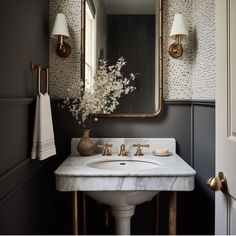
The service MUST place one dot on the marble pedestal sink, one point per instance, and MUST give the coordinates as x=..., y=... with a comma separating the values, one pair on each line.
x=124, y=182
x=122, y=202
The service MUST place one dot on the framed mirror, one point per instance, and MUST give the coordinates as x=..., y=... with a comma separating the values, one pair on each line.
x=133, y=30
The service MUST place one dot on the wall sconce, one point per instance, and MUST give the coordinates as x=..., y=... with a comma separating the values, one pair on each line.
x=178, y=33
x=60, y=31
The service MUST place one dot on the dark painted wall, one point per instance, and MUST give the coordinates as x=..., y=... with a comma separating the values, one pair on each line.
x=204, y=164
x=29, y=203
x=26, y=187
x=133, y=37
x=192, y=125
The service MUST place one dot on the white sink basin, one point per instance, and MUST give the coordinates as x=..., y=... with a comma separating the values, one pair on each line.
x=128, y=165
x=122, y=198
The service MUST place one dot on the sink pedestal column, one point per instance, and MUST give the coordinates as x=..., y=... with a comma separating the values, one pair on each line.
x=123, y=216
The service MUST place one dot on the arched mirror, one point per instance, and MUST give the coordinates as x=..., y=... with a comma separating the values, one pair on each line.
x=133, y=30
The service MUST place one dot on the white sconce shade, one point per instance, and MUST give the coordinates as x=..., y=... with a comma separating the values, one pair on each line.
x=60, y=31
x=178, y=28
x=60, y=27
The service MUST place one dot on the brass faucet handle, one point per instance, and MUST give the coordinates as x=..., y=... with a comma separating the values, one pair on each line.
x=139, y=150
x=122, y=151
x=106, y=151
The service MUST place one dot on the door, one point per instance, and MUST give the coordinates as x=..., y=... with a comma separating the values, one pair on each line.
x=225, y=219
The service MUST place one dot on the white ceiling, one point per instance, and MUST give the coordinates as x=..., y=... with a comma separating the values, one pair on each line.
x=122, y=7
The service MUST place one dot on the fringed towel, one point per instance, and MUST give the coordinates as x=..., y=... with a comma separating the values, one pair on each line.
x=43, y=139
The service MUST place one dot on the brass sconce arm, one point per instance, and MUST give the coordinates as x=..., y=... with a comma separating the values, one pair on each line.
x=63, y=49
x=176, y=49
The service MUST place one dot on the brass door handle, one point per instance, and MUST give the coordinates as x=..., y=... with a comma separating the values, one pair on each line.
x=218, y=183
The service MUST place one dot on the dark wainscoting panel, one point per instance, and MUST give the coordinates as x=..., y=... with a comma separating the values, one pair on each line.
x=28, y=208
x=191, y=123
x=26, y=186
x=204, y=164
x=15, y=121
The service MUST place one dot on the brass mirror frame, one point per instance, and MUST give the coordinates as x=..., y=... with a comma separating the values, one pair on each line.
x=160, y=80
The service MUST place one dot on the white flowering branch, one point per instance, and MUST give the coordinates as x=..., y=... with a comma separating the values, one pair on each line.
x=108, y=87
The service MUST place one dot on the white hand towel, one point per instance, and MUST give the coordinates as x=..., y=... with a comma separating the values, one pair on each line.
x=43, y=139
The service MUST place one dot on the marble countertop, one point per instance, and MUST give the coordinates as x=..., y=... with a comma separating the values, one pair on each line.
x=172, y=165
x=171, y=174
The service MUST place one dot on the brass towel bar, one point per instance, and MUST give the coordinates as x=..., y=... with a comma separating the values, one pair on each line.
x=39, y=69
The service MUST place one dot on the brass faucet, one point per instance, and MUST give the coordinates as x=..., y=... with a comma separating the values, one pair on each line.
x=106, y=151
x=139, y=151
x=122, y=151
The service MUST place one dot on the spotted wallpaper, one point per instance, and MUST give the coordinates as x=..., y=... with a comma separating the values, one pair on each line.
x=65, y=71
x=203, y=67
x=190, y=77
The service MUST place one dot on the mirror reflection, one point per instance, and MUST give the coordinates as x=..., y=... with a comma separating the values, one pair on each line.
x=128, y=29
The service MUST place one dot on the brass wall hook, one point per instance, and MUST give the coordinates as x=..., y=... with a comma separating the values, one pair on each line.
x=47, y=79
x=39, y=69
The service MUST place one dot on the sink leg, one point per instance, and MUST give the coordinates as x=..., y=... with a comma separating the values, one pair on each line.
x=122, y=219
x=75, y=213
x=172, y=212
x=84, y=215
x=157, y=229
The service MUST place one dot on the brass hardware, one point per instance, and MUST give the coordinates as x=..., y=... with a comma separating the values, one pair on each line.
x=106, y=151
x=160, y=66
x=172, y=213
x=122, y=151
x=47, y=79
x=63, y=49
x=139, y=151
x=157, y=220
x=218, y=183
x=75, y=213
x=106, y=215
x=176, y=50
x=39, y=69
x=84, y=215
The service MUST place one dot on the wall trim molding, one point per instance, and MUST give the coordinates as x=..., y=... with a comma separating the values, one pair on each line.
x=190, y=102
x=15, y=183
x=16, y=101
x=14, y=168
x=205, y=102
